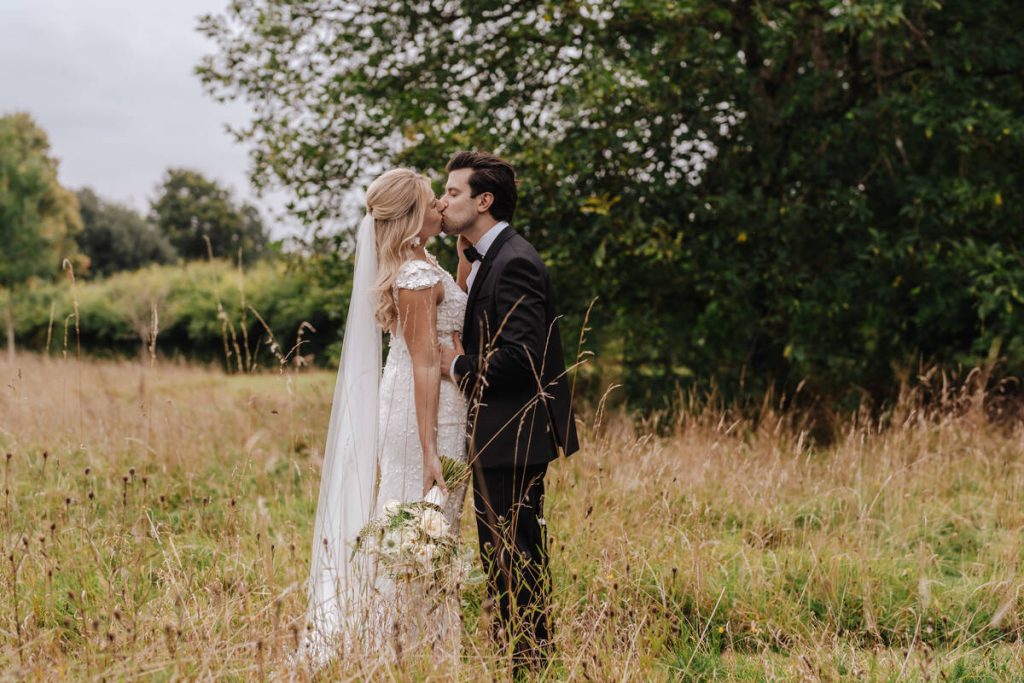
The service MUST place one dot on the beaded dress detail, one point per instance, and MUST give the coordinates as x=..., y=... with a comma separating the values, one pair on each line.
x=407, y=617
x=401, y=458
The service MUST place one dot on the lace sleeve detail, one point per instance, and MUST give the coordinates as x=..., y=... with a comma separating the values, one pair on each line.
x=417, y=274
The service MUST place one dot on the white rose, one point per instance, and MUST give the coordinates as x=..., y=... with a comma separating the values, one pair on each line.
x=391, y=507
x=436, y=496
x=433, y=523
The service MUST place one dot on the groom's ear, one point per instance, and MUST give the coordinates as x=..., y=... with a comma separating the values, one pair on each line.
x=484, y=202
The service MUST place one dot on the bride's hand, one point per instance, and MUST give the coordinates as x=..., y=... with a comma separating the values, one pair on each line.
x=432, y=473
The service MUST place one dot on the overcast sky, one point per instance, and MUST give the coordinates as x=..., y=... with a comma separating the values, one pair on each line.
x=111, y=83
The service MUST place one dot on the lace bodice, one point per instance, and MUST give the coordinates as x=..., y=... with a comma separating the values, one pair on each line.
x=419, y=274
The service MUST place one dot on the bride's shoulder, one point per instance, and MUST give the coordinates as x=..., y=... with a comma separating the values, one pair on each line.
x=417, y=274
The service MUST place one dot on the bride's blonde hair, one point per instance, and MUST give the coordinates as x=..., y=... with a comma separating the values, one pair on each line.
x=398, y=201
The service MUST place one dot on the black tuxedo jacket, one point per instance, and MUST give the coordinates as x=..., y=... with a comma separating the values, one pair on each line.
x=513, y=371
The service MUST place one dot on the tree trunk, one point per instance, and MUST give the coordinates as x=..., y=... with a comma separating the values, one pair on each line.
x=10, y=327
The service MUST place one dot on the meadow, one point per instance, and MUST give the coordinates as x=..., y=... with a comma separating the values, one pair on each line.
x=156, y=522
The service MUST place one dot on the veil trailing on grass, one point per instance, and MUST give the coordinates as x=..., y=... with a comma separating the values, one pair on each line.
x=349, y=475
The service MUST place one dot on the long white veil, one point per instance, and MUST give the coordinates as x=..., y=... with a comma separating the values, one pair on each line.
x=349, y=476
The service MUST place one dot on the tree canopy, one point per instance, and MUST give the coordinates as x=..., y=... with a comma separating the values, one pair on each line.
x=769, y=193
x=189, y=207
x=38, y=217
x=116, y=237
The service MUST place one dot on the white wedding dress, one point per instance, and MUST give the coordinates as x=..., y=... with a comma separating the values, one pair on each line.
x=401, y=458
x=407, y=617
x=353, y=606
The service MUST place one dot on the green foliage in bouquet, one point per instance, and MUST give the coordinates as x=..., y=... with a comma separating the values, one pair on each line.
x=454, y=472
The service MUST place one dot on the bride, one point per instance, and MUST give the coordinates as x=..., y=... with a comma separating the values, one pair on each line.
x=388, y=429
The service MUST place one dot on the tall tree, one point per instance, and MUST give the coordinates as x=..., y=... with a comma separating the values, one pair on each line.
x=189, y=207
x=116, y=237
x=813, y=193
x=38, y=217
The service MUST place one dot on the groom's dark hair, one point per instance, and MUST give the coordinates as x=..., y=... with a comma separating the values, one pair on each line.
x=491, y=174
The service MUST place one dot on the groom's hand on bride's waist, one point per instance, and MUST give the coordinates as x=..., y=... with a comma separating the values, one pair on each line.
x=449, y=355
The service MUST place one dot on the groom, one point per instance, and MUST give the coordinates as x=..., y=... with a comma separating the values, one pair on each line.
x=509, y=364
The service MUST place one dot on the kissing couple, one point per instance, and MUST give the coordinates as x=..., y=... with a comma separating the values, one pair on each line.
x=474, y=376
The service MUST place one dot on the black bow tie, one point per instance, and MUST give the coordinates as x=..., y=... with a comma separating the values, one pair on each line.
x=472, y=255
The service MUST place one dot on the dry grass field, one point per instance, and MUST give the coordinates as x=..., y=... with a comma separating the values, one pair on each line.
x=155, y=524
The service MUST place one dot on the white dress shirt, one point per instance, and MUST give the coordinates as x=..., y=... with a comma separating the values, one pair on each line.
x=482, y=245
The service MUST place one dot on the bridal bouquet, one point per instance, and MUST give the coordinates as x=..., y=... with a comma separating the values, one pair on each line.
x=413, y=539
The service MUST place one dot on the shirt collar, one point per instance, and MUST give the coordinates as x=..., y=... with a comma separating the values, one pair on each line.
x=485, y=242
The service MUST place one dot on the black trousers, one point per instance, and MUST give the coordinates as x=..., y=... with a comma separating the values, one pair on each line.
x=509, y=506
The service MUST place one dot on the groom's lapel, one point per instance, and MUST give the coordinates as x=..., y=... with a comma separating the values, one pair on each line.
x=485, y=267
